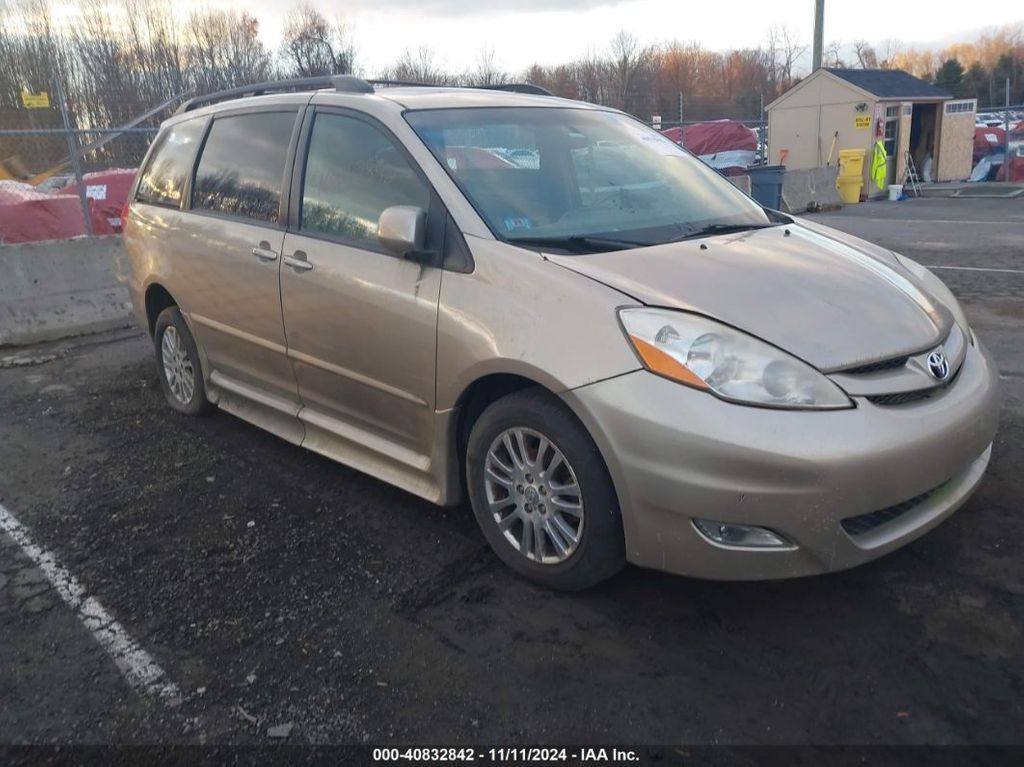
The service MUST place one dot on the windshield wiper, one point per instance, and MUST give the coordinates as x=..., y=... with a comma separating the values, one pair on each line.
x=579, y=243
x=710, y=229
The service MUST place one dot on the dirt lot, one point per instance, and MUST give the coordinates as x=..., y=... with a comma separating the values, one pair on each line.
x=275, y=587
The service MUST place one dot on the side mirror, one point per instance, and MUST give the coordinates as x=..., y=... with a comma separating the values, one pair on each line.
x=402, y=229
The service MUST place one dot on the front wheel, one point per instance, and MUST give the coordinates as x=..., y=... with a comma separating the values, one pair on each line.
x=181, y=376
x=542, y=494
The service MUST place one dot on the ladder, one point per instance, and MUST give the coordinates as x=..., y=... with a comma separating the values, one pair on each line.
x=910, y=177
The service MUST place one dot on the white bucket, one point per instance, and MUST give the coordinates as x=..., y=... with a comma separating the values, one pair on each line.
x=895, y=192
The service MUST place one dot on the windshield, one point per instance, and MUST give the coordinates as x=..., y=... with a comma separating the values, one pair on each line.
x=580, y=180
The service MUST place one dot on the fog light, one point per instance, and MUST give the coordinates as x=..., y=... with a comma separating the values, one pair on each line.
x=729, y=534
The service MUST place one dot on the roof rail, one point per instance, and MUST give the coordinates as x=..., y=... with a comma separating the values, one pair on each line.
x=407, y=84
x=511, y=87
x=536, y=90
x=341, y=83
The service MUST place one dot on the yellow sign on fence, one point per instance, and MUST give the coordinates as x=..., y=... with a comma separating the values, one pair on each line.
x=35, y=100
x=862, y=121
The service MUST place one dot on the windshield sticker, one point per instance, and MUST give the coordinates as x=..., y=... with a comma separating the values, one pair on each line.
x=513, y=223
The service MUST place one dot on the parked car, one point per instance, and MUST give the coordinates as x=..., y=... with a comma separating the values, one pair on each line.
x=646, y=367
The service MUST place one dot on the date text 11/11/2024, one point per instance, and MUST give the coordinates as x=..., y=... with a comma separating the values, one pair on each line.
x=505, y=755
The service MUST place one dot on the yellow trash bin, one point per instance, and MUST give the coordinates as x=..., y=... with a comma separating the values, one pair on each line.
x=851, y=163
x=849, y=189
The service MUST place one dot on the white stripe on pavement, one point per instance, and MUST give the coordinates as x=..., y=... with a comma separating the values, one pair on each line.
x=979, y=269
x=138, y=667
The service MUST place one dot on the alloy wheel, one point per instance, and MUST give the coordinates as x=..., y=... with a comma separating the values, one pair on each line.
x=178, y=369
x=534, y=495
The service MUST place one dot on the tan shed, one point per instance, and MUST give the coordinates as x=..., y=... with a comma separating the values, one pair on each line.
x=835, y=109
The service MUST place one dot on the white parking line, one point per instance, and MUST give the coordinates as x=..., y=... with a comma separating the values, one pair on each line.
x=138, y=667
x=979, y=269
x=927, y=220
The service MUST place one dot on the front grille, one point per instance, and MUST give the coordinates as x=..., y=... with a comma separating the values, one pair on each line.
x=875, y=367
x=865, y=523
x=906, y=397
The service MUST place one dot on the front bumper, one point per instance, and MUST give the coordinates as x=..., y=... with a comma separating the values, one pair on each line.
x=676, y=454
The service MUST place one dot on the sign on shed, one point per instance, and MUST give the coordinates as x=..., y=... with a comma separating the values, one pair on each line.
x=35, y=100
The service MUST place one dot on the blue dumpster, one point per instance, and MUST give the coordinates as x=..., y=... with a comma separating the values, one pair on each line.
x=766, y=184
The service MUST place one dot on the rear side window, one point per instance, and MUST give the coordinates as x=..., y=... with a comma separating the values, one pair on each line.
x=170, y=165
x=353, y=172
x=242, y=165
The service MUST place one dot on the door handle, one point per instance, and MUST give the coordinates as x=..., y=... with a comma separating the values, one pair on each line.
x=264, y=252
x=298, y=261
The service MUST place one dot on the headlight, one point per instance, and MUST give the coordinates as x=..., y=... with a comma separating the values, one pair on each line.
x=707, y=355
x=938, y=289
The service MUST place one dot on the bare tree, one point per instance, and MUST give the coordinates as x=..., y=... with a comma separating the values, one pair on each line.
x=783, y=51
x=419, y=66
x=832, y=55
x=625, y=51
x=890, y=49
x=225, y=49
x=315, y=46
x=866, y=56
x=487, y=72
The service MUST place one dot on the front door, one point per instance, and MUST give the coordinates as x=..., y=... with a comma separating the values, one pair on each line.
x=231, y=257
x=361, y=323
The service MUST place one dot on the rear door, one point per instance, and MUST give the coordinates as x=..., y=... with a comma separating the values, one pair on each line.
x=230, y=257
x=361, y=322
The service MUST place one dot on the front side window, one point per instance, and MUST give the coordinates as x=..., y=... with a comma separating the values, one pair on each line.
x=241, y=169
x=551, y=173
x=163, y=181
x=353, y=172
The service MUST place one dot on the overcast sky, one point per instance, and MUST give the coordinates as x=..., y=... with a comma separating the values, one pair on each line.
x=522, y=32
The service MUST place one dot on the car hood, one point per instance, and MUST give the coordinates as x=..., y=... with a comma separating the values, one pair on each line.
x=831, y=299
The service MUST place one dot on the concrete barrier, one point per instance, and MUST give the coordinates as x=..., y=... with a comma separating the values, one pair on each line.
x=61, y=288
x=810, y=189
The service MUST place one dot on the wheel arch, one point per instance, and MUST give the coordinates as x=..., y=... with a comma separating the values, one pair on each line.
x=477, y=397
x=484, y=391
x=157, y=299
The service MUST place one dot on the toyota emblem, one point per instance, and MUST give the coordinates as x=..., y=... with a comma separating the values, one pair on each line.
x=938, y=365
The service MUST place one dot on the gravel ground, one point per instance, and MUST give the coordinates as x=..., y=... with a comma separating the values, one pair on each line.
x=275, y=587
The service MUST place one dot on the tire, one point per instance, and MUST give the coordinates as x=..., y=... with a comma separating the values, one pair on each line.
x=522, y=483
x=172, y=337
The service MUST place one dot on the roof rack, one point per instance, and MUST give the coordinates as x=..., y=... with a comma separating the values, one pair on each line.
x=536, y=90
x=341, y=84
x=530, y=88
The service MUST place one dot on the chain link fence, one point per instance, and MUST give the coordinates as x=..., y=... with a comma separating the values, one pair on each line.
x=60, y=179
x=46, y=161
x=999, y=144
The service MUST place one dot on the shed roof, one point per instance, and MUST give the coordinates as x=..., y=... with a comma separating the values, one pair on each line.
x=890, y=83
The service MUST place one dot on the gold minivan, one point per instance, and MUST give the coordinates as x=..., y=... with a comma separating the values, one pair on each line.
x=552, y=310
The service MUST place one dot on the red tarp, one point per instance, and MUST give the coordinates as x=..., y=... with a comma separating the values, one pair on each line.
x=28, y=214
x=712, y=137
x=987, y=141
x=676, y=134
x=719, y=136
x=462, y=157
x=107, y=191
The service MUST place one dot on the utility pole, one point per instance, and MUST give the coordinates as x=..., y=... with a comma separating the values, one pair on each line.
x=819, y=34
x=1006, y=135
